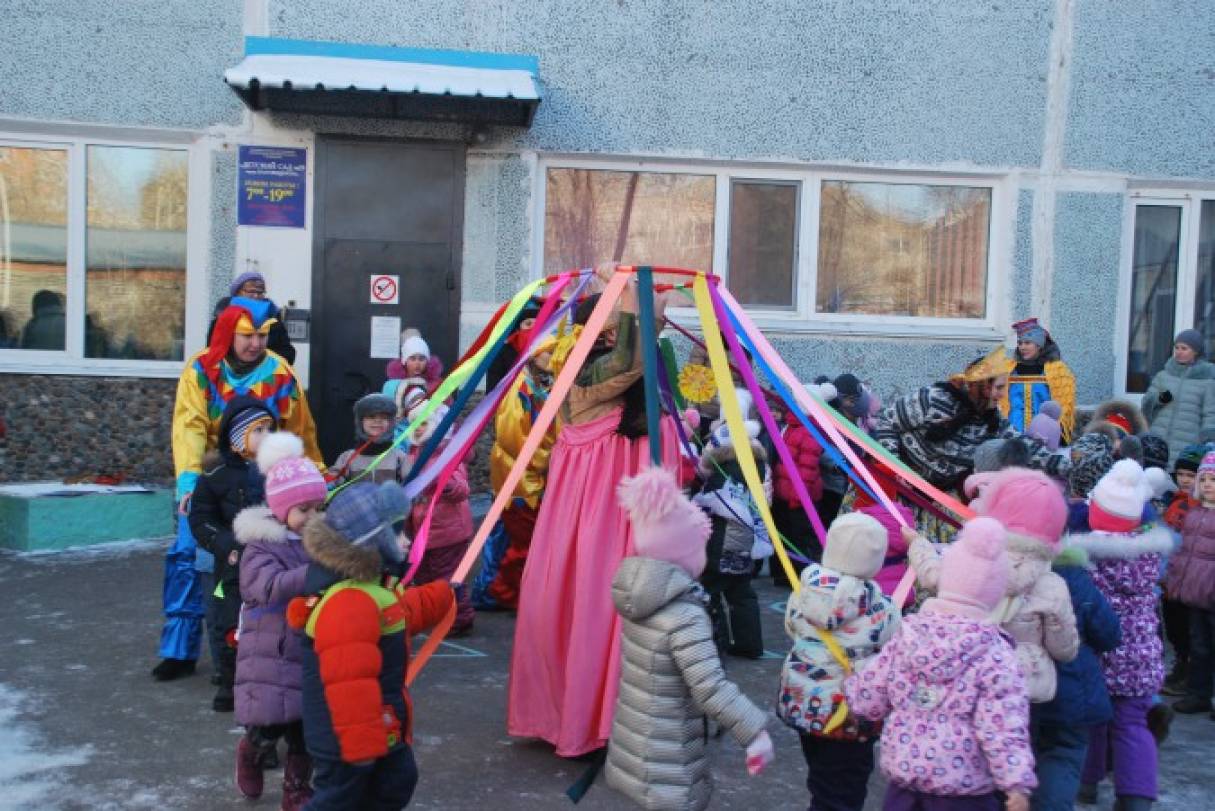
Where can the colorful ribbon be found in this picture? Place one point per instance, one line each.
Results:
(733, 416)
(649, 360)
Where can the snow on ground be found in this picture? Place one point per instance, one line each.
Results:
(30, 775)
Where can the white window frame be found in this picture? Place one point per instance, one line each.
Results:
(802, 318)
(1190, 202)
(71, 360)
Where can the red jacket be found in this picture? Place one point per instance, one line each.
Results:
(806, 453)
(1175, 513)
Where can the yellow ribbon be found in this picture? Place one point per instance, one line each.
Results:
(734, 419)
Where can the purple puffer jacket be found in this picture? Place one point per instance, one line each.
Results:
(955, 704)
(1127, 569)
(1191, 577)
(269, 675)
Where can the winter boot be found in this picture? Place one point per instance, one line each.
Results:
(170, 669)
(1129, 803)
(225, 700)
(1159, 720)
(1087, 795)
(1192, 705)
(1174, 684)
(297, 782)
(249, 776)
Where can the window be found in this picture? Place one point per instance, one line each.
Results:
(93, 256)
(804, 249)
(1170, 284)
(33, 248)
(763, 243)
(903, 249)
(650, 218)
(135, 291)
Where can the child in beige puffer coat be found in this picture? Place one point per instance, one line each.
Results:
(1036, 610)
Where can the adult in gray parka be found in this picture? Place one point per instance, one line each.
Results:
(1180, 403)
(670, 676)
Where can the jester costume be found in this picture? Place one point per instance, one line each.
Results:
(210, 380)
(1032, 382)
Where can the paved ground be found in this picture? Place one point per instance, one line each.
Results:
(83, 726)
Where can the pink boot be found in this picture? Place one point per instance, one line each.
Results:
(297, 782)
(250, 778)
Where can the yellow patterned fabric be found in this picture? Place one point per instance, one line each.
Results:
(512, 423)
(1062, 385)
(561, 351)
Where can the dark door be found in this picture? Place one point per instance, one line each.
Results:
(390, 209)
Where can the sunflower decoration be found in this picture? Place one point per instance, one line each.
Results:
(696, 383)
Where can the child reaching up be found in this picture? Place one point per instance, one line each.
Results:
(838, 596)
(670, 675)
(374, 418)
(952, 695)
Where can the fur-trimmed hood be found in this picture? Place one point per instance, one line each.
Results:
(258, 524)
(1119, 546)
(721, 454)
(1123, 408)
(327, 547)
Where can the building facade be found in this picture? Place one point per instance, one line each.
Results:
(887, 187)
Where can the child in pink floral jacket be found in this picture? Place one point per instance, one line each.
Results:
(950, 689)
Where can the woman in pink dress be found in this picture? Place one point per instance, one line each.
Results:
(565, 665)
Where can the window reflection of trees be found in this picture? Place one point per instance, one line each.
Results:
(903, 249)
(136, 253)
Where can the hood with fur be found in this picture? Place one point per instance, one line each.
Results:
(1117, 546)
(327, 547)
(258, 524)
(721, 454)
(1126, 410)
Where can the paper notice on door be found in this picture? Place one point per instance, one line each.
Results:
(385, 336)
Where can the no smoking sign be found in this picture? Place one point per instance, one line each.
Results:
(385, 289)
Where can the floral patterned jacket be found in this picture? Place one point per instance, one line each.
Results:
(955, 704)
(861, 619)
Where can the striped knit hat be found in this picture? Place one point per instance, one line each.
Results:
(243, 424)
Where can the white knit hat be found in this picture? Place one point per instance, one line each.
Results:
(856, 546)
(1121, 493)
(414, 345)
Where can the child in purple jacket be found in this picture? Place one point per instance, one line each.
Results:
(948, 685)
(1127, 558)
(269, 672)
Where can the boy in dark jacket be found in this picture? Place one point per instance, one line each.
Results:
(357, 713)
(231, 483)
(1061, 726)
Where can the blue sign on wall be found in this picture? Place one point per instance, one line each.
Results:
(272, 186)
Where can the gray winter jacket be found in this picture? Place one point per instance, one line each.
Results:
(1189, 416)
(670, 679)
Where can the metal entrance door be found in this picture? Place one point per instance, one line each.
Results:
(383, 209)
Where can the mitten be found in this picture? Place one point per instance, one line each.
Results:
(759, 753)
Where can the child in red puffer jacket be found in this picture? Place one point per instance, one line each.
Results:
(791, 520)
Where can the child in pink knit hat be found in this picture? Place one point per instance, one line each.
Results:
(952, 696)
(1036, 610)
(670, 674)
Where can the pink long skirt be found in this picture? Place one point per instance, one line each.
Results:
(565, 666)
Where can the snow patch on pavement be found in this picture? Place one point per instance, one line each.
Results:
(30, 774)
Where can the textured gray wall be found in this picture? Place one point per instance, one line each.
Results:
(839, 81)
(1085, 295)
(1142, 88)
(140, 62)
